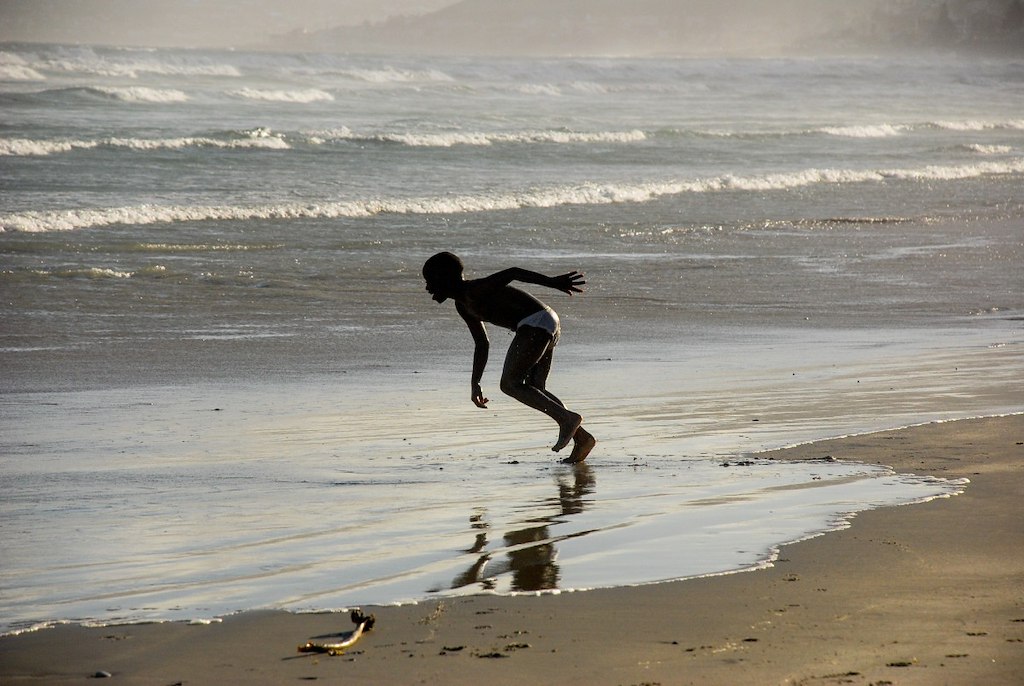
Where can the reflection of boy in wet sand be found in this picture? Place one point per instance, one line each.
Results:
(492, 299)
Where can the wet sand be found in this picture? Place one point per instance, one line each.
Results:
(931, 593)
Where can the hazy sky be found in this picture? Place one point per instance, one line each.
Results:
(605, 27)
(188, 22)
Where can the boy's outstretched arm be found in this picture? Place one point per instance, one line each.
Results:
(569, 282)
(481, 348)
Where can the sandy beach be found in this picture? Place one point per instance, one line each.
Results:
(929, 593)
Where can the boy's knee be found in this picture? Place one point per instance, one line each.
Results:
(510, 386)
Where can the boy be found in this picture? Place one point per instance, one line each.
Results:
(492, 299)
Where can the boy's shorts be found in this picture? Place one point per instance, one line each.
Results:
(545, 319)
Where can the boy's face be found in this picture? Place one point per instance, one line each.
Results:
(443, 281)
(437, 291)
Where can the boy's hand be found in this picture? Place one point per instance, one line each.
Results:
(568, 283)
(478, 396)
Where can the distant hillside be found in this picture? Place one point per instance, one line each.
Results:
(181, 23)
(683, 27)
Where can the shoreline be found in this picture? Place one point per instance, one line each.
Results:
(917, 594)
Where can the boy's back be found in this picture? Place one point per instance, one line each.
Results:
(503, 306)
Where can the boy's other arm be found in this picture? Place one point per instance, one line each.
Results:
(481, 349)
(569, 282)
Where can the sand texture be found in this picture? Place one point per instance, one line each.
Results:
(931, 593)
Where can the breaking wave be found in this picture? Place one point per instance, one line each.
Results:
(24, 147)
(870, 131)
(264, 139)
(394, 75)
(15, 68)
(302, 96)
(81, 60)
(453, 138)
(976, 125)
(867, 131)
(583, 194)
(988, 149)
(443, 139)
(138, 94)
(96, 273)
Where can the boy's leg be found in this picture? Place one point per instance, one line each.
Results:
(538, 374)
(583, 441)
(528, 349)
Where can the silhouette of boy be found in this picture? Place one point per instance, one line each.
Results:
(528, 361)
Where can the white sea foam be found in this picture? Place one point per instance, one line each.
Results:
(302, 96)
(888, 130)
(988, 149)
(11, 59)
(99, 272)
(963, 125)
(393, 75)
(85, 272)
(978, 125)
(571, 137)
(453, 138)
(865, 131)
(21, 147)
(36, 626)
(86, 61)
(540, 89)
(90, 67)
(140, 94)
(269, 142)
(26, 147)
(434, 140)
(132, 70)
(585, 194)
(165, 69)
(205, 621)
(14, 68)
(206, 247)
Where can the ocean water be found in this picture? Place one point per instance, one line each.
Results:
(224, 387)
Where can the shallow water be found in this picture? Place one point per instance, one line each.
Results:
(192, 502)
(200, 538)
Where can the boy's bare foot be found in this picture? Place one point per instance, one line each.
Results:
(566, 430)
(584, 444)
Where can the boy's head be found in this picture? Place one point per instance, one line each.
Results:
(442, 272)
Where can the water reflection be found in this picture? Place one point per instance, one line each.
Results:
(530, 553)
